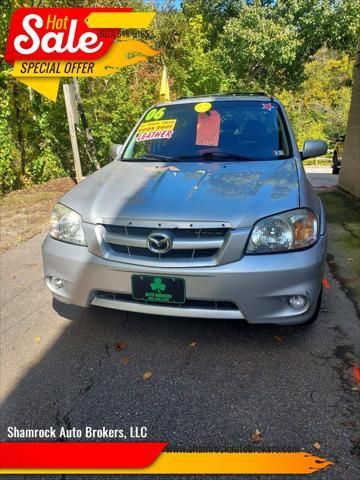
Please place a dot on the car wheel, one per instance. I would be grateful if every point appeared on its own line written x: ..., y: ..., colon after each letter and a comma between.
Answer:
x: 335, y: 167
x: 315, y: 315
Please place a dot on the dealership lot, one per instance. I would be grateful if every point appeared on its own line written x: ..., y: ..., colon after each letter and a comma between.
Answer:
x: 213, y: 383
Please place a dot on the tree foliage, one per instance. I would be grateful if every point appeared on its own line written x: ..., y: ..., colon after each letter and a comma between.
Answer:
x: 319, y: 107
x: 208, y: 46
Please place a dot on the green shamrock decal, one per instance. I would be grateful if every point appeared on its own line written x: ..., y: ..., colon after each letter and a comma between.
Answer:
x: 157, y: 285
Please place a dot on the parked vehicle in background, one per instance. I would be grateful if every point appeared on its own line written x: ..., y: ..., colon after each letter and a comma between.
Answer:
x: 338, y: 154
x: 206, y: 211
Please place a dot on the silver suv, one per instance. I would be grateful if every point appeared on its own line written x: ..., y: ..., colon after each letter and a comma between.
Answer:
x: 205, y: 211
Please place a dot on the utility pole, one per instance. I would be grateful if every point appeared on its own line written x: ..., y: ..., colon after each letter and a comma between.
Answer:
x: 90, y: 147
x: 73, y: 118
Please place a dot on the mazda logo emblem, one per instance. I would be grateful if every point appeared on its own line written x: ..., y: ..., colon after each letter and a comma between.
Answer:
x: 159, y: 242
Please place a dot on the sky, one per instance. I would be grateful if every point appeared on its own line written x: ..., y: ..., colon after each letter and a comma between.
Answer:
x: 160, y: 3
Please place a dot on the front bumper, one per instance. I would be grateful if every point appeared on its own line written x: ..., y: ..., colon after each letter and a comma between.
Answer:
x: 258, y: 286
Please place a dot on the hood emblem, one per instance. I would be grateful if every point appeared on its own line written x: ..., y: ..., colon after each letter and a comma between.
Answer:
x: 159, y: 242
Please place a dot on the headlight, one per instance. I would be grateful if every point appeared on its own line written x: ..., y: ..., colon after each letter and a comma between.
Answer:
x: 66, y: 225
x: 293, y: 230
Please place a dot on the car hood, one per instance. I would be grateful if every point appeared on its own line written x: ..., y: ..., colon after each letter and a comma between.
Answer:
x: 236, y: 192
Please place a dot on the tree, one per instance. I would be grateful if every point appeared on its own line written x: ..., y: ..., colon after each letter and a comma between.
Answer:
x: 258, y: 51
x: 320, y: 106
x: 267, y: 43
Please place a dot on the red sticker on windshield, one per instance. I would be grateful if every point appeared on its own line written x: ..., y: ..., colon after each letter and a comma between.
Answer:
x: 208, y: 129
x: 268, y: 106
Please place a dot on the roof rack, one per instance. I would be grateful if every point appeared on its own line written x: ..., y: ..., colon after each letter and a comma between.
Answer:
x: 245, y: 94
x: 262, y: 94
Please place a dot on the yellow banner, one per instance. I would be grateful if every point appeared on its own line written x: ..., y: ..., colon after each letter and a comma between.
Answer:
x: 296, y: 463
x: 43, y: 76
x: 119, y: 19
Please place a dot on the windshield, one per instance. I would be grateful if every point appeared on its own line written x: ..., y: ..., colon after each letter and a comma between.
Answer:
x: 217, y: 131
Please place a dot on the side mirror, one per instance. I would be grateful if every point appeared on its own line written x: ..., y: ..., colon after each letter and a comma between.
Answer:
x: 115, y: 150
x: 313, y: 148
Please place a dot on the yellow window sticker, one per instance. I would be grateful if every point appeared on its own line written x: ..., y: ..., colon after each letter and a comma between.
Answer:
x: 160, y: 129
x: 160, y: 125
x: 203, y: 107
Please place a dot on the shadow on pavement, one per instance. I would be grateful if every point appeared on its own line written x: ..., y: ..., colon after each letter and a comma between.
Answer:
x: 195, y: 392
x: 212, y: 395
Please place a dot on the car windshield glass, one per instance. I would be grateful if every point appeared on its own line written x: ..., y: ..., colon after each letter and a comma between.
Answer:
x: 211, y: 132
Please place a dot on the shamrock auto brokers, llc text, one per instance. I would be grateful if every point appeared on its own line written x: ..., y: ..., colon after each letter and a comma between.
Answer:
x: 87, y: 432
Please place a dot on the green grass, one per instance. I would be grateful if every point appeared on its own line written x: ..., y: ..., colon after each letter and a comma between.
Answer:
x: 343, y: 217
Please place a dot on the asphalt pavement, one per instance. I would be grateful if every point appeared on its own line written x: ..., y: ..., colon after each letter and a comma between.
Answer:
x: 213, y: 382
x: 321, y: 177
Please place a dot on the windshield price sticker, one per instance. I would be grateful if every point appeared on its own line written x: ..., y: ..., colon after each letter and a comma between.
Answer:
x: 156, y: 130
x: 156, y: 126
x: 159, y: 134
x: 208, y: 129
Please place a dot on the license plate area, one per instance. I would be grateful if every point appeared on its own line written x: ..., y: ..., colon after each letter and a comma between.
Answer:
x: 158, y: 289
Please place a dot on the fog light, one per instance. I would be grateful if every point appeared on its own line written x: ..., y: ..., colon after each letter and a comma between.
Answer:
x: 297, y: 302
x: 56, y: 282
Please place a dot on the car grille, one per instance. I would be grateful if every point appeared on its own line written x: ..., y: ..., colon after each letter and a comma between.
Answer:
x: 188, y: 243
x: 204, y: 304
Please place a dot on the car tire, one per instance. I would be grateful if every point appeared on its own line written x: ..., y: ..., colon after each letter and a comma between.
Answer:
x: 315, y: 315
x: 335, y: 167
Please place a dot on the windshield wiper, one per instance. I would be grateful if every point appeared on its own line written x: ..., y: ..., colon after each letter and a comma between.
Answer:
x: 227, y: 155
x: 150, y: 157
x: 153, y: 157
